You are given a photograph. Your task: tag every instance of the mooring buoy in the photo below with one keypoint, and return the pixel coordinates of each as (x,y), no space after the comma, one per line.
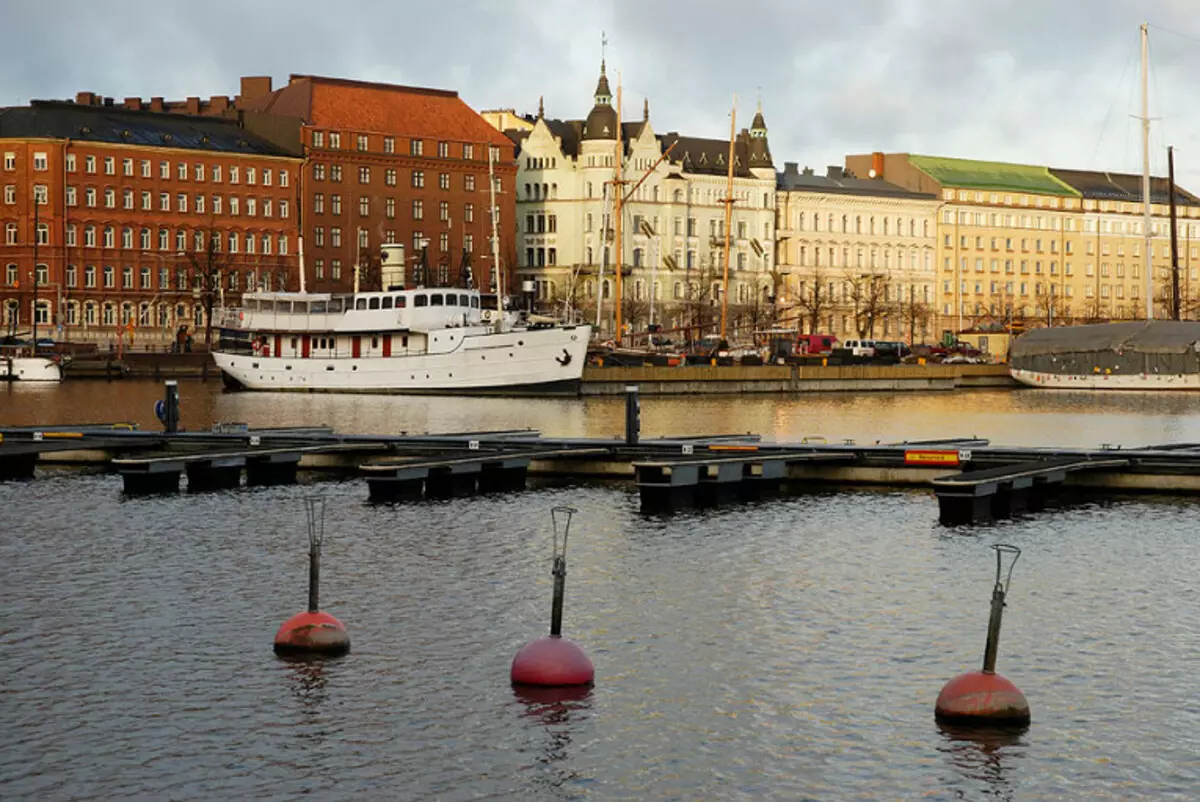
(984,698)
(554,661)
(313,632)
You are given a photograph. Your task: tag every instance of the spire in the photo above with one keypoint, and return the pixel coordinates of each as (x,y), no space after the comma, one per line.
(758,127)
(541,107)
(603,93)
(646,110)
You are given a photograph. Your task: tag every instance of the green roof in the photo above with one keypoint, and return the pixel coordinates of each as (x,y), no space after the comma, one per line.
(992,176)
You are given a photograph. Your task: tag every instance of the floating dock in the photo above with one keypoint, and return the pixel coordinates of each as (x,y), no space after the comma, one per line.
(972,480)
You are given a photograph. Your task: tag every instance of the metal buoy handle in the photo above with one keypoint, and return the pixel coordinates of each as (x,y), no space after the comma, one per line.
(559,570)
(999,591)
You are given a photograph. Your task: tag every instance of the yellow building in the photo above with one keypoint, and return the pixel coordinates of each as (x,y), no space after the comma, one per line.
(859,255)
(507,120)
(1035,246)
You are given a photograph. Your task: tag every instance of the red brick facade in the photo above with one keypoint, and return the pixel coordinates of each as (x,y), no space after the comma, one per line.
(125,226)
(393,163)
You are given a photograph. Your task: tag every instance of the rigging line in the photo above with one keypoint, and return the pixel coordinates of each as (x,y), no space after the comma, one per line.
(1180,34)
(1108,114)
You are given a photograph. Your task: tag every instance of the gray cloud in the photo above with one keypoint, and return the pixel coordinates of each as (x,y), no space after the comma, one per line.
(1042,81)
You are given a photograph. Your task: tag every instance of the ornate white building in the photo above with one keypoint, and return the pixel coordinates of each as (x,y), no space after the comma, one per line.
(673,222)
(860,255)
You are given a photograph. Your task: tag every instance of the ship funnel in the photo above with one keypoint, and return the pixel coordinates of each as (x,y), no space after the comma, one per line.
(392,270)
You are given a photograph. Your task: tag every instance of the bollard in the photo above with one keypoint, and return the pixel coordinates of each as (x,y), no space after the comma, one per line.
(984,698)
(633,415)
(554,661)
(171,407)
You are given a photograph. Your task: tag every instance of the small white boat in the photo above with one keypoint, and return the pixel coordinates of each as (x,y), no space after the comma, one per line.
(29,368)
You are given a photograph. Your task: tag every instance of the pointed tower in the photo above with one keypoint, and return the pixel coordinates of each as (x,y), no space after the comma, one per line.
(601,121)
(758,151)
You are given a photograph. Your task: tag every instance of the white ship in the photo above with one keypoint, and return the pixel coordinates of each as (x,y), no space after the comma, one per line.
(400,340)
(29,369)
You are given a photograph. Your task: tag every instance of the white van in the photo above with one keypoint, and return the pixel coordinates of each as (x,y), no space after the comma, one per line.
(860,347)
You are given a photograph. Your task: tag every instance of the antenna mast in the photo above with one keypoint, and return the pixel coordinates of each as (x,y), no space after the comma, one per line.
(495,239)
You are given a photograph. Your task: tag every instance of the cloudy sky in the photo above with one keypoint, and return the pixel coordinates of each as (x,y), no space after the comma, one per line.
(1042,81)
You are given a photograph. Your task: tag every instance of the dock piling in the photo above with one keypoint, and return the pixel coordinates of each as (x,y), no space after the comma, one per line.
(633,415)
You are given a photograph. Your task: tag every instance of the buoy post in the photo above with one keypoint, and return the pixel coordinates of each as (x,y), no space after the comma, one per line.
(633,415)
(170,408)
(984,698)
(554,661)
(313,632)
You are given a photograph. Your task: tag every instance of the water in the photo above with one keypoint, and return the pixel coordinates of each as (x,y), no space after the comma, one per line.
(789,649)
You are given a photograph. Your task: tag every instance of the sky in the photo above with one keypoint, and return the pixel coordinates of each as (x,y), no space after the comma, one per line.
(1053,82)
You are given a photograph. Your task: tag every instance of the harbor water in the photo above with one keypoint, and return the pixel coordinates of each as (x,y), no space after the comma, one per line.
(787,649)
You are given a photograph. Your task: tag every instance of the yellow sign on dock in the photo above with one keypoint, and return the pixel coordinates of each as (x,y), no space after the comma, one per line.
(931,457)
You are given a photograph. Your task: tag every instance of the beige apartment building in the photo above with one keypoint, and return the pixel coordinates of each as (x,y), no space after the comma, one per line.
(859,254)
(1027,245)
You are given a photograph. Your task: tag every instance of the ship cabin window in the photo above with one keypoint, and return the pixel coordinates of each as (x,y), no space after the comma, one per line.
(464,300)
(451,299)
(435,299)
(295,342)
(387,302)
(474,301)
(374,343)
(401,301)
(265,306)
(374,303)
(421,300)
(317,308)
(360,303)
(403,340)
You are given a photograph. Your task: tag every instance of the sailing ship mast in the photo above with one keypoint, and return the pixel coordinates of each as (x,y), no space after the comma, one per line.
(728,217)
(495,240)
(618,191)
(1145,117)
(1176,306)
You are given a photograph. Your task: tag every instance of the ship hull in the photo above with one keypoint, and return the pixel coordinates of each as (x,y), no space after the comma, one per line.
(518,362)
(30,369)
(1108,381)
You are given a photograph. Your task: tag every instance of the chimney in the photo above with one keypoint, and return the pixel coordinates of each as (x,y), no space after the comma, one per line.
(133,103)
(156,104)
(108,101)
(254,86)
(85,98)
(808,171)
(217,104)
(193,105)
(835,173)
(877,164)
(790,169)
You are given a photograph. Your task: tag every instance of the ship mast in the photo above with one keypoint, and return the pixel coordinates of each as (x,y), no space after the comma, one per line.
(618,191)
(495,240)
(1145,118)
(728,217)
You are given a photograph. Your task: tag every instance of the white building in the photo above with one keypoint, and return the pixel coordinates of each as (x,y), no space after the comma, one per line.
(673,221)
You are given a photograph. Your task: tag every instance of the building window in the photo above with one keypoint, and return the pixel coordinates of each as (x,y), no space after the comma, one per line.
(216,204)
(181,202)
(335,204)
(89,197)
(389,144)
(318,139)
(147,201)
(70,162)
(335,237)
(389,177)
(468,151)
(335,173)
(251,176)
(390,208)
(444,180)
(418,210)
(233,174)
(364,175)
(199,204)
(362,142)
(89,236)
(71,275)
(251,207)
(319,236)
(364,206)
(40,162)
(266,205)
(418,179)
(127,199)
(444,211)
(127,238)
(416,147)
(10,195)
(335,140)
(89,276)
(266,244)
(164,202)
(283,178)
(233,242)
(234,207)
(164,239)
(145,239)
(71,235)
(469,182)
(469,243)
(110,277)
(284,209)
(443,150)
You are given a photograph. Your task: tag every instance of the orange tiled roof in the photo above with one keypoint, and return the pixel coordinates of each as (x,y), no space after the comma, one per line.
(384,108)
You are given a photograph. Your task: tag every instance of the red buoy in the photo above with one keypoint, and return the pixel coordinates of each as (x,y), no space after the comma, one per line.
(981,697)
(312,633)
(984,698)
(554,661)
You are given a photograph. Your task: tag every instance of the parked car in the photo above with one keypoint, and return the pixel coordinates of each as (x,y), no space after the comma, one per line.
(892,348)
(816,344)
(860,347)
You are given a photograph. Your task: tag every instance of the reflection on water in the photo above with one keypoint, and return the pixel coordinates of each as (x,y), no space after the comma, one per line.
(983,756)
(556,710)
(1006,417)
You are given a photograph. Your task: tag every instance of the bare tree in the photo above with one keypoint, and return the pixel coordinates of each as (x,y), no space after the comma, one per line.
(1051,308)
(813,304)
(869,300)
(915,313)
(206,268)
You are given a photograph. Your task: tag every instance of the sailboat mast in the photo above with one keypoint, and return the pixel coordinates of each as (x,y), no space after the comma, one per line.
(495,239)
(728,217)
(618,191)
(1149,264)
(1175,305)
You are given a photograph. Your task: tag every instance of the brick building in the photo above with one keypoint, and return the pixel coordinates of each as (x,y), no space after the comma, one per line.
(144,220)
(386,163)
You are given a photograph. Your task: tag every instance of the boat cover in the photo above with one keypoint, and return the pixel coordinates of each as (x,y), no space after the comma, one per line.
(1155,346)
